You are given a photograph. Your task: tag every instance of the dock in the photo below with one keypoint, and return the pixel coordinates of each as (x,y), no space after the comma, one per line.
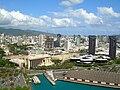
(52,81)
(99,78)
(36,80)
(34,74)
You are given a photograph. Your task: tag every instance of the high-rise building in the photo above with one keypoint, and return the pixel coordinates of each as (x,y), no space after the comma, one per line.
(69,45)
(58,38)
(78,40)
(92,44)
(57,42)
(49,43)
(40,40)
(74,37)
(97,40)
(112,46)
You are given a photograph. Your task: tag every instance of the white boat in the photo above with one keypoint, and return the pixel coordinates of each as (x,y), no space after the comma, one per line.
(36,80)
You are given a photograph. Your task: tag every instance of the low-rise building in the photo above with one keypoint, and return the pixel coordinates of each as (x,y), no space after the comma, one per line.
(30,61)
(38,60)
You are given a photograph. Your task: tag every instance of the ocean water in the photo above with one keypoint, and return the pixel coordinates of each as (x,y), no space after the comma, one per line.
(62,85)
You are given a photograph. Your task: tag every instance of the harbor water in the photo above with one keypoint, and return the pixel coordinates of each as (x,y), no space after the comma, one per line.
(62,85)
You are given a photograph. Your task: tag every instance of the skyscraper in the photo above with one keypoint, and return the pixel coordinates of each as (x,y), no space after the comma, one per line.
(58,38)
(40,40)
(92,42)
(69,45)
(74,37)
(78,40)
(112,46)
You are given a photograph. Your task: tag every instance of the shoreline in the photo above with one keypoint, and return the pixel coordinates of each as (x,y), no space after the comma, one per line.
(88,83)
(81,82)
(35,74)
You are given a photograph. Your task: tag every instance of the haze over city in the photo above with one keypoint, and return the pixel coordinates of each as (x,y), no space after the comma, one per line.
(66,17)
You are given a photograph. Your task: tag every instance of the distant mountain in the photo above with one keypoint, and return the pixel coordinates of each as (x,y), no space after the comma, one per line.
(19,32)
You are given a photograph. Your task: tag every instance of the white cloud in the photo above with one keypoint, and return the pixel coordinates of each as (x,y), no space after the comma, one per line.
(110,18)
(81,15)
(15,18)
(65,22)
(5,17)
(108,11)
(59,21)
(70,19)
(70,2)
(46,18)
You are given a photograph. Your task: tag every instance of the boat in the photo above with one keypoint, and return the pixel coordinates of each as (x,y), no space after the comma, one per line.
(36,80)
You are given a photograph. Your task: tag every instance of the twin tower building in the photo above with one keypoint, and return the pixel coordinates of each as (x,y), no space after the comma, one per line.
(112,45)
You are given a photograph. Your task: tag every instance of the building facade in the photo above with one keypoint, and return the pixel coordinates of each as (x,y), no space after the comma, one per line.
(49,43)
(112,46)
(92,44)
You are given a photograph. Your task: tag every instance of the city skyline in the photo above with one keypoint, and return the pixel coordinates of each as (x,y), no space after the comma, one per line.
(66,17)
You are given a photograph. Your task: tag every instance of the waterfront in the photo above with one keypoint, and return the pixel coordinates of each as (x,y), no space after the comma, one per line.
(61,85)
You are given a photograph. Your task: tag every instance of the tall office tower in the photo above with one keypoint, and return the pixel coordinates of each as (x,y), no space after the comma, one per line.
(74,37)
(40,40)
(78,40)
(92,42)
(112,46)
(69,45)
(97,40)
(58,38)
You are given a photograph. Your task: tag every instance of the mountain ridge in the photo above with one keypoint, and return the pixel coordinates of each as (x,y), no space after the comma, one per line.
(20,32)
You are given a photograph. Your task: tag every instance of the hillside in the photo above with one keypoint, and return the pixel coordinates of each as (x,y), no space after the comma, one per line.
(19,32)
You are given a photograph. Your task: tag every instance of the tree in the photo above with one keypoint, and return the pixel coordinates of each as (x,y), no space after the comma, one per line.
(2,81)
(17,49)
(3,62)
(11,84)
(1,52)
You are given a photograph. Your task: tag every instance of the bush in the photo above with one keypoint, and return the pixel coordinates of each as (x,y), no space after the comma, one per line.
(19,88)
(100,64)
(84,65)
(23,88)
(2,81)
(11,88)
(56,61)
(5,89)
(117,61)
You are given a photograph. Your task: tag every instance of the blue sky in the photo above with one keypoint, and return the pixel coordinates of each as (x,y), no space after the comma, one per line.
(62,16)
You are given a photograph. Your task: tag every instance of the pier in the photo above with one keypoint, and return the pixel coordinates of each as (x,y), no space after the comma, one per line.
(34,74)
(50,77)
(99,78)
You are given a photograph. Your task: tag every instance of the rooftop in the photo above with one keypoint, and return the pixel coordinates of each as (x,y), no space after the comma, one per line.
(39,56)
(100,76)
(17,61)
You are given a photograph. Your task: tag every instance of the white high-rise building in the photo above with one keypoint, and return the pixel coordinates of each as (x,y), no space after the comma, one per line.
(97,42)
(41,40)
(69,45)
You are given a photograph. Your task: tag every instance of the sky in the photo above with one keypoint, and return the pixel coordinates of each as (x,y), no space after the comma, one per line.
(67,17)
